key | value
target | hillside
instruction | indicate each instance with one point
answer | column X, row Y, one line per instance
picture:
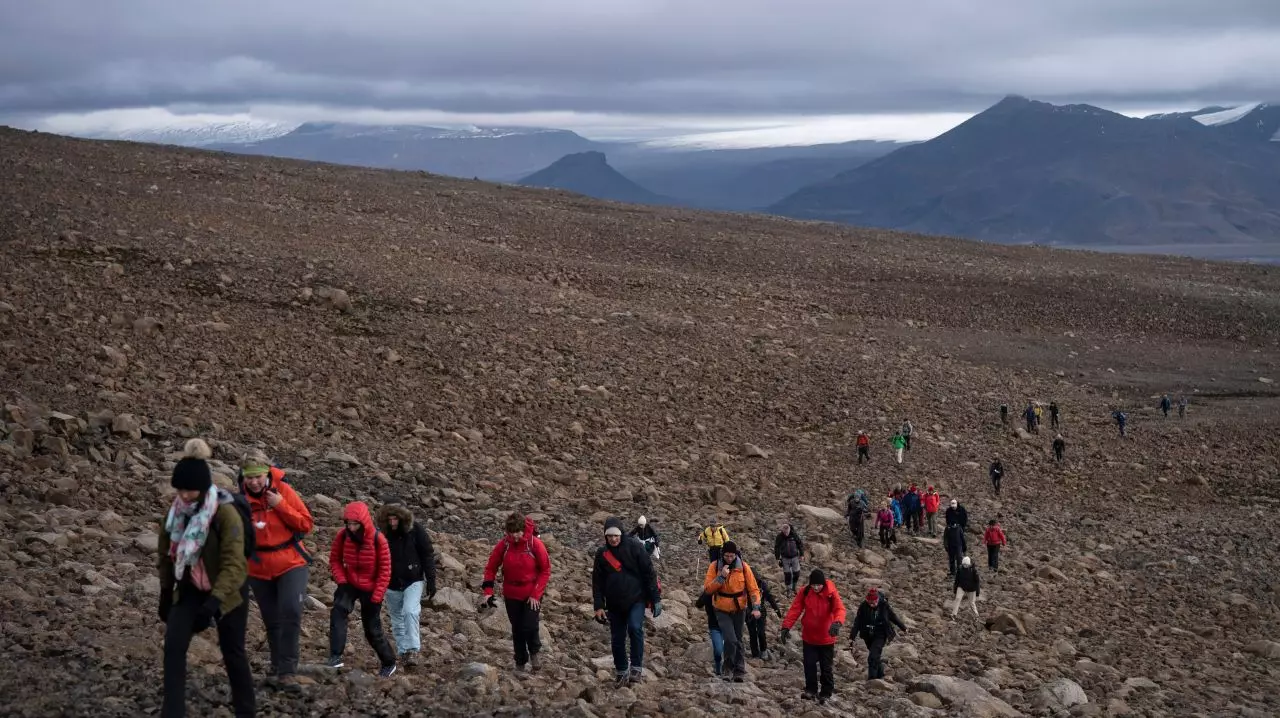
column 589, row 173
column 1026, row 171
column 477, row 348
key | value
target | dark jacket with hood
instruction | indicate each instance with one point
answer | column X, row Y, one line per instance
column 788, row 545
column 413, row 558
column 967, row 579
column 627, row 580
column 871, row 623
column 957, row 515
column 645, row 533
column 953, row 539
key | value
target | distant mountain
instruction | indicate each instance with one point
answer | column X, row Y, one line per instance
column 492, row 153
column 589, row 173
column 198, row 135
column 1257, row 121
column 1025, row 171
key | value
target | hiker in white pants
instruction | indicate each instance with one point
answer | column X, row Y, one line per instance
column 967, row 586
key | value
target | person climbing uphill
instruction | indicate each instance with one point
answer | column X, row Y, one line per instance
column 821, row 614
column 1165, row 405
column 413, row 575
column 734, row 595
column 885, row 524
column 787, row 549
column 899, row 443
column 932, row 500
column 1004, row 414
column 714, row 537
column 623, row 582
column 1122, row 419
column 281, row 566
column 1182, row 407
column 906, row 430
column 1059, row 448
column 648, row 536
column 967, row 586
column 996, row 472
column 713, row 632
column 953, row 540
column 864, row 447
column 360, row 563
column 1053, row 415
column 995, row 539
column 911, row 508
column 1029, row 414
column 757, row 628
column 526, row 570
column 203, row 581
column 874, row 623
column 855, row 511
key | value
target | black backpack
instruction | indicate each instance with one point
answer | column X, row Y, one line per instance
column 246, row 519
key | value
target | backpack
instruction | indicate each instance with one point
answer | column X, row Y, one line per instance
column 246, row 518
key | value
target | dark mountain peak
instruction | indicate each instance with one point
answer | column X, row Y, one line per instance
column 589, row 159
column 589, row 173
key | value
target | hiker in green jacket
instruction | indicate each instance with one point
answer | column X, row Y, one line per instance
column 899, row 444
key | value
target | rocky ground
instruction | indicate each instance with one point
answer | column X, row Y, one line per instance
column 477, row 349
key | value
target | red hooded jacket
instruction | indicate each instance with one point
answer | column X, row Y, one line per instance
column 526, row 567
column 994, row 536
column 932, row 499
column 365, row 564
column 819, row 610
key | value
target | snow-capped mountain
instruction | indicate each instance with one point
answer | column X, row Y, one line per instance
column 1255, row 121
column 198, row 134
column 1222, row 117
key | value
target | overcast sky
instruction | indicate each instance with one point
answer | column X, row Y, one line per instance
column 627, row 65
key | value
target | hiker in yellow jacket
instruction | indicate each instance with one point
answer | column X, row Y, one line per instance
column 731, row 587
column 714, row 537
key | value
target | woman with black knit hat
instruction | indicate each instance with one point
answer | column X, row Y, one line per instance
column 203, row 580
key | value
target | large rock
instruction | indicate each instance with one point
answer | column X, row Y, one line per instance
column 1264, row 649
column 821, row 513
column 1008, row 623
column 1060, row 693
column 455, row 600
column 965, row 696
column 1049, row 573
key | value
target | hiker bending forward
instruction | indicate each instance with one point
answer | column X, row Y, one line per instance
column 734, row 594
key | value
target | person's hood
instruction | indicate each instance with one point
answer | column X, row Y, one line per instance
column 530, row 530
column 401, row 512
column 358, row 511
column 609, row 523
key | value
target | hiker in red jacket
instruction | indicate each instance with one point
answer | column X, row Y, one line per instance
column 994, row 538
column 526, row 569
column 360, row 563
column 821, row 614
column 864, row 447
column 932, row 500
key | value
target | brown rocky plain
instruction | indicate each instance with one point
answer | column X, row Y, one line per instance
column 477, row 348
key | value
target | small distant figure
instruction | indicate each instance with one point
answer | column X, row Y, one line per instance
column 714, row 537
column 911, row 507
column 1029, row 415
column 899, row 443
column 1004, row 414
column 957, row 514
column 996, row 472
column 932, row 500
column 1165, row 405
column 968, row 586
column 1182, row 407
column 906, row 430
column 1059, row 448
column 648, row 536
column 787, row 550
column 864, row 447
column 895, row 505
column 995, row 539
column 1053, row 415
column 953, row 539
column 1122, row 419
column 1039, row 417
column 884, row 522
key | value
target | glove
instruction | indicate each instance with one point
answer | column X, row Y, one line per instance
column 786, row 635
column 431, row 593
column 489, row 602
column 166, row 603
column 206, row 615
column 778, row 611
column 657, row 608
column 904, row 630
column 835, row 629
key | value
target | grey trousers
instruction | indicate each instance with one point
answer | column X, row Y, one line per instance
column 731, row 628
column 281, row 602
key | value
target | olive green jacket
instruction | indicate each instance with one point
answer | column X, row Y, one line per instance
column 223, row 557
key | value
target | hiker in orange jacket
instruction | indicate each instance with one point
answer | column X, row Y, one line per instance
column 932, row 500
column 994, row 538
column 734, row 592
column 821, row 614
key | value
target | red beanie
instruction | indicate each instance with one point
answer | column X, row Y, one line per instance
column 873, row 596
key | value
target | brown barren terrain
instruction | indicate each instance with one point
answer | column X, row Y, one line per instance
column 477, row 348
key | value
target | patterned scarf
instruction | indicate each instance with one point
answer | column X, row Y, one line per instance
column 188, row 526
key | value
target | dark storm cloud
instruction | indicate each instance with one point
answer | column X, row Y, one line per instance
column 633, row 56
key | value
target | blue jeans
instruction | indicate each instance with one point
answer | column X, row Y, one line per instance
column 717, row 648
column 623, row 624
column 405, row 608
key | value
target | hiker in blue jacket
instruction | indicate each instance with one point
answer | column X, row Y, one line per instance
column 896, row 506
column 911, row 507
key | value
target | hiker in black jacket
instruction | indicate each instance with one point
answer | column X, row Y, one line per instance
column 996, row 472
column 648, row 536
column 756, row 627
column 787, row 549
column 953, row 540
column 622, row 582
column 967, row 585
column 874, row 625
column 956, row 514
column 413, row 575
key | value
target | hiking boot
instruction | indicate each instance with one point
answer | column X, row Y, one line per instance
column 288, row 684
column 636, row 675
column 766, row 656
column 535, row 662
column 621, row 679
column 409, row 658
column 822, row 700
column 387, row 671
column 522, row 668
column 807, row 696
column 739, row 678
column 335, row 661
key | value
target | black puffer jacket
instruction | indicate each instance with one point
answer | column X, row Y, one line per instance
column 413, row 558
column 967, row 579
column 953, row 540
column 633, row 581
column 872, row 623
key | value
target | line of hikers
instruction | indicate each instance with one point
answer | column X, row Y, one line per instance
column 900, row 441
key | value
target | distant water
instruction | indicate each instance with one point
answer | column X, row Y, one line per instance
column 1254, row 253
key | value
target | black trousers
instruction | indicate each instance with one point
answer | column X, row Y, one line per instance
column 886, row 534
column 344, row 601
column 995, row 483
column 864, row 454
column 1057, row 454
column 756, row 634
column 993, row 558
column 524, row 630
column 177, row 640
column 953, row 562
column 280, row 602
column 858, row 528
column 875, row 667
column 713, row 553
column 818, row 662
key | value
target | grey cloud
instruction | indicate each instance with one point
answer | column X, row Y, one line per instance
column 633, row 56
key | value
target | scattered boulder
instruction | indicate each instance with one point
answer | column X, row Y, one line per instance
column 966, row 696
column 1059, row 694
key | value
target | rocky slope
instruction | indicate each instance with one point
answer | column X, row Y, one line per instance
column 476, row 348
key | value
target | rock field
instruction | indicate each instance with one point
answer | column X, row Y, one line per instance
column 478, row 348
